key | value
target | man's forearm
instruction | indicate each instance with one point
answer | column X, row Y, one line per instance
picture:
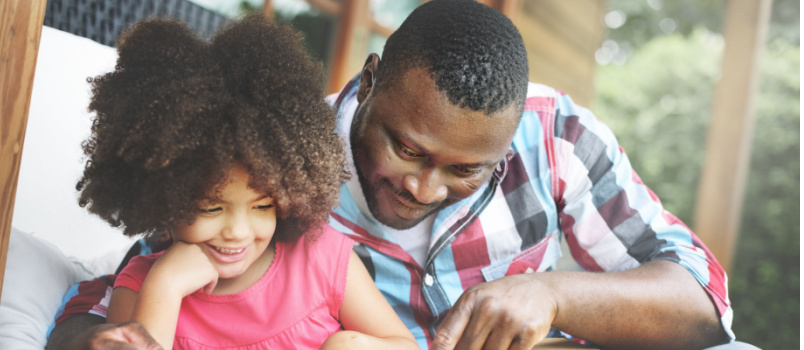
column 68, row 330
column 658, row 305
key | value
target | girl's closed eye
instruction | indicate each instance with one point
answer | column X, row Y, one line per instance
column 264, row 207
column 210, row 210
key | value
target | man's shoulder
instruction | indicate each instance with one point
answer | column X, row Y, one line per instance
column 541, row 90
column 541, row 99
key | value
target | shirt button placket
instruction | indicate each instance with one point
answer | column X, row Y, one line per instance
column 434, row 296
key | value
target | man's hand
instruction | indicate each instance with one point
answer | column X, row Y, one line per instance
column 514, row 312
column 120, row 336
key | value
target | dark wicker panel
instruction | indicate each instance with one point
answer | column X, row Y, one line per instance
column 103, row 20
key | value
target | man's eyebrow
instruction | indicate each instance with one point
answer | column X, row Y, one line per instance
column 477, row 165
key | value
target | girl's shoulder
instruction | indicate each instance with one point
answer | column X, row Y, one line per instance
column 135, row 271
column 329, row 235
column 328, row 248
column 143, row 261
column 326, row 241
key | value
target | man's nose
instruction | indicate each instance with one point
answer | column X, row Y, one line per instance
column 427, row 187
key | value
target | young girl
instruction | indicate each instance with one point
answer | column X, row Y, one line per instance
column 228, row 147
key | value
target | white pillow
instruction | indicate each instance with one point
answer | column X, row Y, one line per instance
column 46, row 203
column 37, row 276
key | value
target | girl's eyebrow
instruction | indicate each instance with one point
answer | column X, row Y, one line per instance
column 261, row 198
column 208, row 201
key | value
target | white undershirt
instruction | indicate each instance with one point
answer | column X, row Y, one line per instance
column 415, row 240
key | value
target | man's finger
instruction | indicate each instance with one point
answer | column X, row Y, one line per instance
column 483, row 320
column 451, row 329
column 126, row 336
column 136, row 334
column 500, row 338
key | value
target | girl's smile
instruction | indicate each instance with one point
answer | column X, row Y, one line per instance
column 225, row 255
column 234, row 227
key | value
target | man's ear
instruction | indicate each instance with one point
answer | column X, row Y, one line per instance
column 367, row 77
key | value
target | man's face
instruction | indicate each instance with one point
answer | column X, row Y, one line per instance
column 416, row 153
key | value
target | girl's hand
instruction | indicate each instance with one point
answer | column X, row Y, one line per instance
column 184, row 269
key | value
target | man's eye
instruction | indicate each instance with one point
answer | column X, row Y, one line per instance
column 467, row 171
column 409, row 153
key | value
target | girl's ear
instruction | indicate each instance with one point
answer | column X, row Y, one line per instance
column 367, row 77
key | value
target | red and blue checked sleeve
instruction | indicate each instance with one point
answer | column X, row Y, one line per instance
column 86, row 297
column 611, row 220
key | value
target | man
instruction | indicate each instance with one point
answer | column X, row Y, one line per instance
column 467, row 177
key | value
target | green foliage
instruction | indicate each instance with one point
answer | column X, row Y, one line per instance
column 764, row 285
column 643, row 18
column 658, row 103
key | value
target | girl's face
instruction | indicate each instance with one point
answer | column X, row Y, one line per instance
column 234, row 226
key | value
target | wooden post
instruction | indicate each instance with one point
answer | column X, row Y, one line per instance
column 350, row 46
column 20, row 31
column 720, row 192
column 561, row 38
column 268, row 9
column 510, row 8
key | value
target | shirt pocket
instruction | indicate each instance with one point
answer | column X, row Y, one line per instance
column 536, row 258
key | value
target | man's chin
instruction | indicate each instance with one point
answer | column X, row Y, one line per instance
column 399, row 223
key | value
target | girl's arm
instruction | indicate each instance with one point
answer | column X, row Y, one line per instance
column 180, row 271
column 368, row 319
column 158, row 315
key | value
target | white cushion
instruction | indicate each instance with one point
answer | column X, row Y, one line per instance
column 37, row 276
column 46, row 203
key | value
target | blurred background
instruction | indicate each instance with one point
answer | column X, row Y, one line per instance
column 660, row 73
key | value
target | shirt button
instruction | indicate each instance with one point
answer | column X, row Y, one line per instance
column 428, row 280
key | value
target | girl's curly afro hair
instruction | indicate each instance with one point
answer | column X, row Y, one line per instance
column 178, row 112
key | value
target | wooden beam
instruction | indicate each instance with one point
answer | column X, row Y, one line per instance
column 561, row 38
column 350, row 44
column 268, row 9
column 720, row 191
column 379, row 29
column 329, row 7
column 510, row 8
column 20, row 31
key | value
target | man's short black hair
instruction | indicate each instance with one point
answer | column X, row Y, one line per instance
column 473, row 52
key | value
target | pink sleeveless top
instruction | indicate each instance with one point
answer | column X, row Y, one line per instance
column 293, row 306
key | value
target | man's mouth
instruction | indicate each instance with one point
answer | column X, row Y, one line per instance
column 408, row 208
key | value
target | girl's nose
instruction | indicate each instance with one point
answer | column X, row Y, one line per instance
column 238, row 228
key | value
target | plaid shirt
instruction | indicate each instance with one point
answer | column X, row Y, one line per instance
column 564, row 176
